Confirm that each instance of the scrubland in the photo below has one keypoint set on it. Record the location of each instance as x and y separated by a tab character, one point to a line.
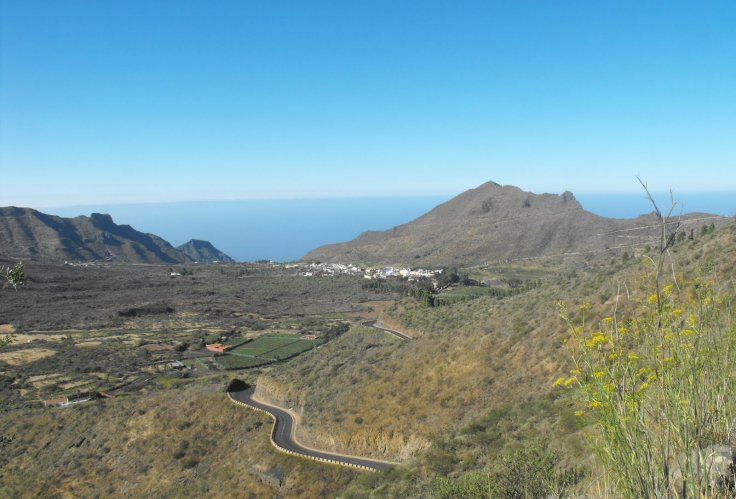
471	400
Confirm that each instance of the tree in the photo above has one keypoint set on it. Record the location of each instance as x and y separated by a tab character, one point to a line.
12	276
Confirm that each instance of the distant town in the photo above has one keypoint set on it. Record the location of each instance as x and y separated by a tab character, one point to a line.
331	269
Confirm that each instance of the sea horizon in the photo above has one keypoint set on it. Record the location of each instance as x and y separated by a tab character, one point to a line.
286	229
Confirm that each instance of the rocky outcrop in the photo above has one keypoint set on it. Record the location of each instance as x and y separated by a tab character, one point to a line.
369	442
716	465
273	392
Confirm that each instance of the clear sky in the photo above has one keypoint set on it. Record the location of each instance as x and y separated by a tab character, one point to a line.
130	101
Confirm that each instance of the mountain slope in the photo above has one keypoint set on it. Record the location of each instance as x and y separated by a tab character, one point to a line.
492	223
203	251
480	380
27	234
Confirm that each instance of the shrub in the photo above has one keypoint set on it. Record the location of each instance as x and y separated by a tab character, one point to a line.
527	472
189	462
660	386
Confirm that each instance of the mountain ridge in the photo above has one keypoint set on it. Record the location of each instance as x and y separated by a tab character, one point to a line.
31	235
493	223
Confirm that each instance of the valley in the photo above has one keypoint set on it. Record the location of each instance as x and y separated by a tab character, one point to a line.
120	371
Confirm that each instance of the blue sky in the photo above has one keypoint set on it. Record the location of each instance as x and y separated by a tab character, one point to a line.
140	101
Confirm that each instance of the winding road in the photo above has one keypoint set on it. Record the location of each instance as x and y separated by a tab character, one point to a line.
376	325
283	438
283	434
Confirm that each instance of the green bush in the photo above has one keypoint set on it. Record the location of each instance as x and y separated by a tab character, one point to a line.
528	472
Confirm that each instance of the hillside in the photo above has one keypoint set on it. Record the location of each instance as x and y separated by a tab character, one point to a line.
478	382
494	223
29	235
180	442
203	251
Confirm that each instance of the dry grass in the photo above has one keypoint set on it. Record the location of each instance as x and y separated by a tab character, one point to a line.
372	310
20	357
6	329
93	343
27	338
185	442
75	384
45	379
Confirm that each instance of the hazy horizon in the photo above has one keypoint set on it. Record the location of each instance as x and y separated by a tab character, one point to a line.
285	230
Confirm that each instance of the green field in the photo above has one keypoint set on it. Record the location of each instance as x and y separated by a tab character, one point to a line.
460	294
234	341
235	362
264	350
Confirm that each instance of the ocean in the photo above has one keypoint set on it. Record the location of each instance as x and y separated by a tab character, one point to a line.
285	230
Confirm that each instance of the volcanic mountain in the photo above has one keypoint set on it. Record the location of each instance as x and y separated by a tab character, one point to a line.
27	234
494	223
203	251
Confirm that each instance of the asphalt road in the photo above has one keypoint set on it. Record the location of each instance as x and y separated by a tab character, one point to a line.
283	431
390	331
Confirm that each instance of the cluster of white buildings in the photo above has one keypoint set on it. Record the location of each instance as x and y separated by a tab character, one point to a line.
401	272
331	269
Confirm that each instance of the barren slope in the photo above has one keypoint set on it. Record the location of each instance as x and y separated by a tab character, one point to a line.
493	223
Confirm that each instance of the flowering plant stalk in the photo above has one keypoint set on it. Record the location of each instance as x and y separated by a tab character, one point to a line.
660	388
659	383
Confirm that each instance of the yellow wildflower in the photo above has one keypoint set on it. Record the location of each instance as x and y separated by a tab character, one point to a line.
652	298
559	382
579	413
569	381
598	374
597	339
595	404
677	312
